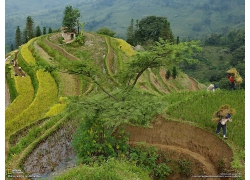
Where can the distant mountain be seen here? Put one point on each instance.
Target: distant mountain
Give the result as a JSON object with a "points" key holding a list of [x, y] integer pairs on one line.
{"points": [[189, 19]]}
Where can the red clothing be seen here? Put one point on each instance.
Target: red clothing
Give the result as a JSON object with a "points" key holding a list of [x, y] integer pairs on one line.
{"points": [[231, 79]]}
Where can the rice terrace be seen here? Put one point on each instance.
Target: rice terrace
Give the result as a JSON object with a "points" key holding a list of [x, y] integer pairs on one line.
{"points": [[70, 114]]}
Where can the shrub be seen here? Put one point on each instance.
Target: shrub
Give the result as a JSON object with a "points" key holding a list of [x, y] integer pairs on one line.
{"points": [[111, 169]]}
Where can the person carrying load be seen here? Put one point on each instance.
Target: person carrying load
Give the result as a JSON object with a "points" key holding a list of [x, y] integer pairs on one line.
{"points": [[221, 117]]}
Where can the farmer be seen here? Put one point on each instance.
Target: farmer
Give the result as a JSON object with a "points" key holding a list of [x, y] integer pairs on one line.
{"points": [[231, 79], [212, 87], [222, 124]]}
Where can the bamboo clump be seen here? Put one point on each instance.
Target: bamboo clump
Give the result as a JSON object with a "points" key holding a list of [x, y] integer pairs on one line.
{"points": [[222, 113]]}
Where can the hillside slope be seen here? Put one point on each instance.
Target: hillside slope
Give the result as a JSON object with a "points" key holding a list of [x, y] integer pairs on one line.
{"points": [[43, 146], [188, 19]]}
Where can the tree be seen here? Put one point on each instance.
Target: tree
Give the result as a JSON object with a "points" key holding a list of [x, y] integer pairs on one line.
{"points": [[29, 30], [174, 72], [11, 47], [130, 33], [168, 74], [164, 53], [151, 28], [70, 18], [38, 31], [44, 30], [106, 31], [50, 30], [18, 37]]}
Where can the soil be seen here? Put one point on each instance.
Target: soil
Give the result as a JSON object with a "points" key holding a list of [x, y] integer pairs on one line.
{"points": [[181, 140]]}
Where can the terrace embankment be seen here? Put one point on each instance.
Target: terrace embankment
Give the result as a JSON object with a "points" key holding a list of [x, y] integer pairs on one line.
{"points": [[209, 154]]}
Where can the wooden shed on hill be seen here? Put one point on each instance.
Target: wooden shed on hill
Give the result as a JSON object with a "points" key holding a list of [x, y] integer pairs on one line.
{"points": [[68, 36]]}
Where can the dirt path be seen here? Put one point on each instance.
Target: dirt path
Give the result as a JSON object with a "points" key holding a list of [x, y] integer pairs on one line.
{"points": [[194, 84], [202, 146]]}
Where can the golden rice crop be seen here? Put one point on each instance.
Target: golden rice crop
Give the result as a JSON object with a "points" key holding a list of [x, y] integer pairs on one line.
{"points": [[46, 95], [123, 45], [54, 110], [26, 54], [23, 100]]}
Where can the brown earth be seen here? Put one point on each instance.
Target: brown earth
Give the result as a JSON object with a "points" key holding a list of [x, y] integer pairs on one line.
{"points": [[180, 140]]}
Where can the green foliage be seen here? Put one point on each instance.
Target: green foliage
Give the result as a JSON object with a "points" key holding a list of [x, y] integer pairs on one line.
{"points": [[186, 167], [174, 72], [38, 31], [80, 40], [11, 82], [106, 31], [93, 141], [163, 53], [111, 169], [18, 37], [168, 74], [150, 28], [70, 18], [60, 40], [147, 157]]}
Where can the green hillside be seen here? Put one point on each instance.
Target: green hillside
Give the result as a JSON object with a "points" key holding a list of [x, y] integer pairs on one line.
{"points": [[189, 19], [82, 111]]}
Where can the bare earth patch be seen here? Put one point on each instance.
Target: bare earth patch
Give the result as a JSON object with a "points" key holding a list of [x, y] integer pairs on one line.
{"points": [[180, 140]]}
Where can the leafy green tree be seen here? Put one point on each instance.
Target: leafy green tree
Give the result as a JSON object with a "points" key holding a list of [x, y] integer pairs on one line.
{"points": [[11, 47], [151, 28], [101, 129], [168, 74], [178, 40], [29, 29], [70, 18], [18, 37], [25, 37], [50, 30], [38, 31], [106, 31], [163, 53], [44, 30], [130, 33], [174, 72]]}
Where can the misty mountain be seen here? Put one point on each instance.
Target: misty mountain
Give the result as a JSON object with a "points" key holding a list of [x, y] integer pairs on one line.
{"points": [[192, 19]]}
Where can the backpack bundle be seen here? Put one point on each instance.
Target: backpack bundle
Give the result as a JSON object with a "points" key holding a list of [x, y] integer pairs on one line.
{"points": [[223, 112], [237, 78]]}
